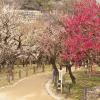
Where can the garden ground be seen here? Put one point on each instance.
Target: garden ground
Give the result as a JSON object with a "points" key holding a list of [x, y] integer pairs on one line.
{"points": [[83, 80], [33, 87]]}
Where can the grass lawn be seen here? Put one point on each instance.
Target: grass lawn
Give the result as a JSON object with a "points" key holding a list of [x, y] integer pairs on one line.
{"points": [[82, 81]]}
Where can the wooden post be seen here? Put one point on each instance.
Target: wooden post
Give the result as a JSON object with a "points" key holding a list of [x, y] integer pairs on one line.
{"points": [[43, 67], [20, 74], [13, 74], [34, 70], [8, 77], [85, 94], [30, 62]]}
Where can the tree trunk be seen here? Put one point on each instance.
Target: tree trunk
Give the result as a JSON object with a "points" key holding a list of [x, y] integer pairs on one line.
{"points": [[55, 74], [71, 74], [10, 73], [0, 68], [23, 64], [55, 71], [20, 75], [34, 69], [66, 69]]}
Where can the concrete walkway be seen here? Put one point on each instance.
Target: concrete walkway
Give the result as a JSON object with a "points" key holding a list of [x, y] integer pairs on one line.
{"points": [[31, 88]]}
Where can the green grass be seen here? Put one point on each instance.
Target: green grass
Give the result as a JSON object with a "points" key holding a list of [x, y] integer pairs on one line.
{"points": [[82, 81]]}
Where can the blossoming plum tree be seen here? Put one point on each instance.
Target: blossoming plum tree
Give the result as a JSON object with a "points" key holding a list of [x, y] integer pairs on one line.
{"points": [[82, 42]]}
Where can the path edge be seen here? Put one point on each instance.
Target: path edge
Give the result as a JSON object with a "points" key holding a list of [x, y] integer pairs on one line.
{"points": [[49, 91]]}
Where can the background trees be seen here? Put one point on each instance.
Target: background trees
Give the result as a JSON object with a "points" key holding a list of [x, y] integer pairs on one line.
{"points": [[13, 41]]}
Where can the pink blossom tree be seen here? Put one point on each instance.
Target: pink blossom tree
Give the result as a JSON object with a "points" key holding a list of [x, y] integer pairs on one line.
{"points": [[82, 42]]}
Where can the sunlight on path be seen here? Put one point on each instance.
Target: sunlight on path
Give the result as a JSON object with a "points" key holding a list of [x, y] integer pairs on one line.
{"points": [[26, 97], [3, 96]]}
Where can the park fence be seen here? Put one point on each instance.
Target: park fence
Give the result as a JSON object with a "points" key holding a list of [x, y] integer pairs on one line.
{"points": [[91, 93], [20, 72]]}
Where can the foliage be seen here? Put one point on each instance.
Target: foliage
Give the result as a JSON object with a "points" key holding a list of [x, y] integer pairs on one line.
{"points": [[48, 5], [82, 33]]}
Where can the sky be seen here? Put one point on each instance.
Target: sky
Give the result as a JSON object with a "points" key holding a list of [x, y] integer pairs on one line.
{"points": [[98, 1]]}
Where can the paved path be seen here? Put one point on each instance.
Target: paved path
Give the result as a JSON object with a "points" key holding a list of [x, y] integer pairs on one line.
{"points": [[31, 88]]}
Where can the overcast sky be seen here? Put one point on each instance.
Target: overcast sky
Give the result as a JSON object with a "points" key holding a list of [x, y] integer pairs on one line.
{"points": [[98, 1]]}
